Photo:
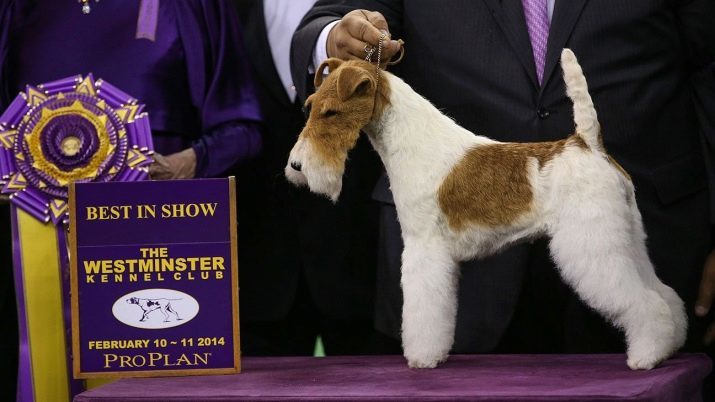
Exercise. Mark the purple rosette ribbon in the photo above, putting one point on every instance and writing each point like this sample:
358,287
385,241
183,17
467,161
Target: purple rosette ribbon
71,130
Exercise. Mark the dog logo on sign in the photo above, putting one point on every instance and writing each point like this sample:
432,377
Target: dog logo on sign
150,305
155,308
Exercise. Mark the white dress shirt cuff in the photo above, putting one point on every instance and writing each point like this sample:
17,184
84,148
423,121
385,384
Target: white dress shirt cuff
320,53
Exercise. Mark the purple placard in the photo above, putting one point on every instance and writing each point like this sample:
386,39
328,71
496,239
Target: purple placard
154,278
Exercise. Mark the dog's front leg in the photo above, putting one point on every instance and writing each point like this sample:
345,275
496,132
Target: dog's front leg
429,287
166,315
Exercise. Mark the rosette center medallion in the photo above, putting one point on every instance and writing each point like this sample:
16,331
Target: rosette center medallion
71,130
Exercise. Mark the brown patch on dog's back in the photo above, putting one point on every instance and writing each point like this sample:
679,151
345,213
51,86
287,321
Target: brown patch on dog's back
490,185
544,152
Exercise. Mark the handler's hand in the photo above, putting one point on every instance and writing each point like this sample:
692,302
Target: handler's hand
358,28
181,165
706,295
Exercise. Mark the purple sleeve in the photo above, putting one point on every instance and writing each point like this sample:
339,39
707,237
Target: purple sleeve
221,85
225,146
5,17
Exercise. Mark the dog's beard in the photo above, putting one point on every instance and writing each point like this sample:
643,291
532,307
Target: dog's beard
326,181
320,178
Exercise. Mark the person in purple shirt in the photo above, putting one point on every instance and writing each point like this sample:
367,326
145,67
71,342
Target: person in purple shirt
183,58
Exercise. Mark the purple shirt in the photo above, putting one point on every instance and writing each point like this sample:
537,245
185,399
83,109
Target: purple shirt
194,77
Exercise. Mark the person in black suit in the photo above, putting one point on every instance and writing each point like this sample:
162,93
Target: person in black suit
306,267
705,106
478,62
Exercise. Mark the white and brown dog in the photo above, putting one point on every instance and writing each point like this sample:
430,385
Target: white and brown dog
461,196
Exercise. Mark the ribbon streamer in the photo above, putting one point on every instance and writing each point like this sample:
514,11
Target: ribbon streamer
43,300
148,17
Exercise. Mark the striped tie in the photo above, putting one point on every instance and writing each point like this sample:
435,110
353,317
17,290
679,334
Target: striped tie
537,22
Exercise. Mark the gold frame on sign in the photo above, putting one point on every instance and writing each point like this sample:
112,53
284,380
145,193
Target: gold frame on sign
74,285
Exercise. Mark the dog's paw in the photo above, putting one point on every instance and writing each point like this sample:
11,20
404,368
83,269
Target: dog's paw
425,362
643,363
646,355
419,364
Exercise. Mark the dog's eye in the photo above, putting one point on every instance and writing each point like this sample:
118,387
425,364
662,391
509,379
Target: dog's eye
329,113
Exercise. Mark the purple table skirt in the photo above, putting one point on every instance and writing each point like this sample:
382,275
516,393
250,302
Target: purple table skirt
462,378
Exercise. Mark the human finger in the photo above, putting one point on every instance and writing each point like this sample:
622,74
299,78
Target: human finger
362,28
348,47
706,292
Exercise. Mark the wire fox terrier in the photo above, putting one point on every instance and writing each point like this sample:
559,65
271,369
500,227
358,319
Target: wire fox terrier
461,196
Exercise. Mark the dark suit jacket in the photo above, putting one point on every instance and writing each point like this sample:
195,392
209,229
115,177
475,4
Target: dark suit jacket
473,60
286,232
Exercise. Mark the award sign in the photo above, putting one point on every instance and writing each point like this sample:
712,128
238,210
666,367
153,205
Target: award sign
154,278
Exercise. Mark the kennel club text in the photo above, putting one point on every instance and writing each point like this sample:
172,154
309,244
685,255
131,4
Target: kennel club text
153,264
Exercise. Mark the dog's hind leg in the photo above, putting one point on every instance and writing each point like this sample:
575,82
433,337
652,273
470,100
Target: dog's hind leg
429,287
592,244
647,272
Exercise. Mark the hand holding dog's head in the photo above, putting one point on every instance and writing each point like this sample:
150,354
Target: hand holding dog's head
344,103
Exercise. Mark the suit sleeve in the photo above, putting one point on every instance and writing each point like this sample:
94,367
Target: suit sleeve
704,102
221,85
323,13
697,28
5,19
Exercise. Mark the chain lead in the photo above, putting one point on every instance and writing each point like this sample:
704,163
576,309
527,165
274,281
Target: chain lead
379,58
371,50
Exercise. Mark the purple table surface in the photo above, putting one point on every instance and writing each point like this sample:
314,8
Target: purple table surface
462,378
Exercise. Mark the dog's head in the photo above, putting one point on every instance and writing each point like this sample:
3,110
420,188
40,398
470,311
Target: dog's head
345,102
133,300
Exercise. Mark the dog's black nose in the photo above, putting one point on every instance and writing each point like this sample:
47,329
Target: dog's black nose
295,165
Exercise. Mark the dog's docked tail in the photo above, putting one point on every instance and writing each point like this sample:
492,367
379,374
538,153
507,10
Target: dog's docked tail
587,126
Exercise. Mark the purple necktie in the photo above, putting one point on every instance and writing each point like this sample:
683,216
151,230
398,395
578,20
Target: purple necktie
537,21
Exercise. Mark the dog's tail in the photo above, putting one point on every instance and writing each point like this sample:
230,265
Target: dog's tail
587,126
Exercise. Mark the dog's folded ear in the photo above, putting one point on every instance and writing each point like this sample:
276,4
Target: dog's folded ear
333,63
354,81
